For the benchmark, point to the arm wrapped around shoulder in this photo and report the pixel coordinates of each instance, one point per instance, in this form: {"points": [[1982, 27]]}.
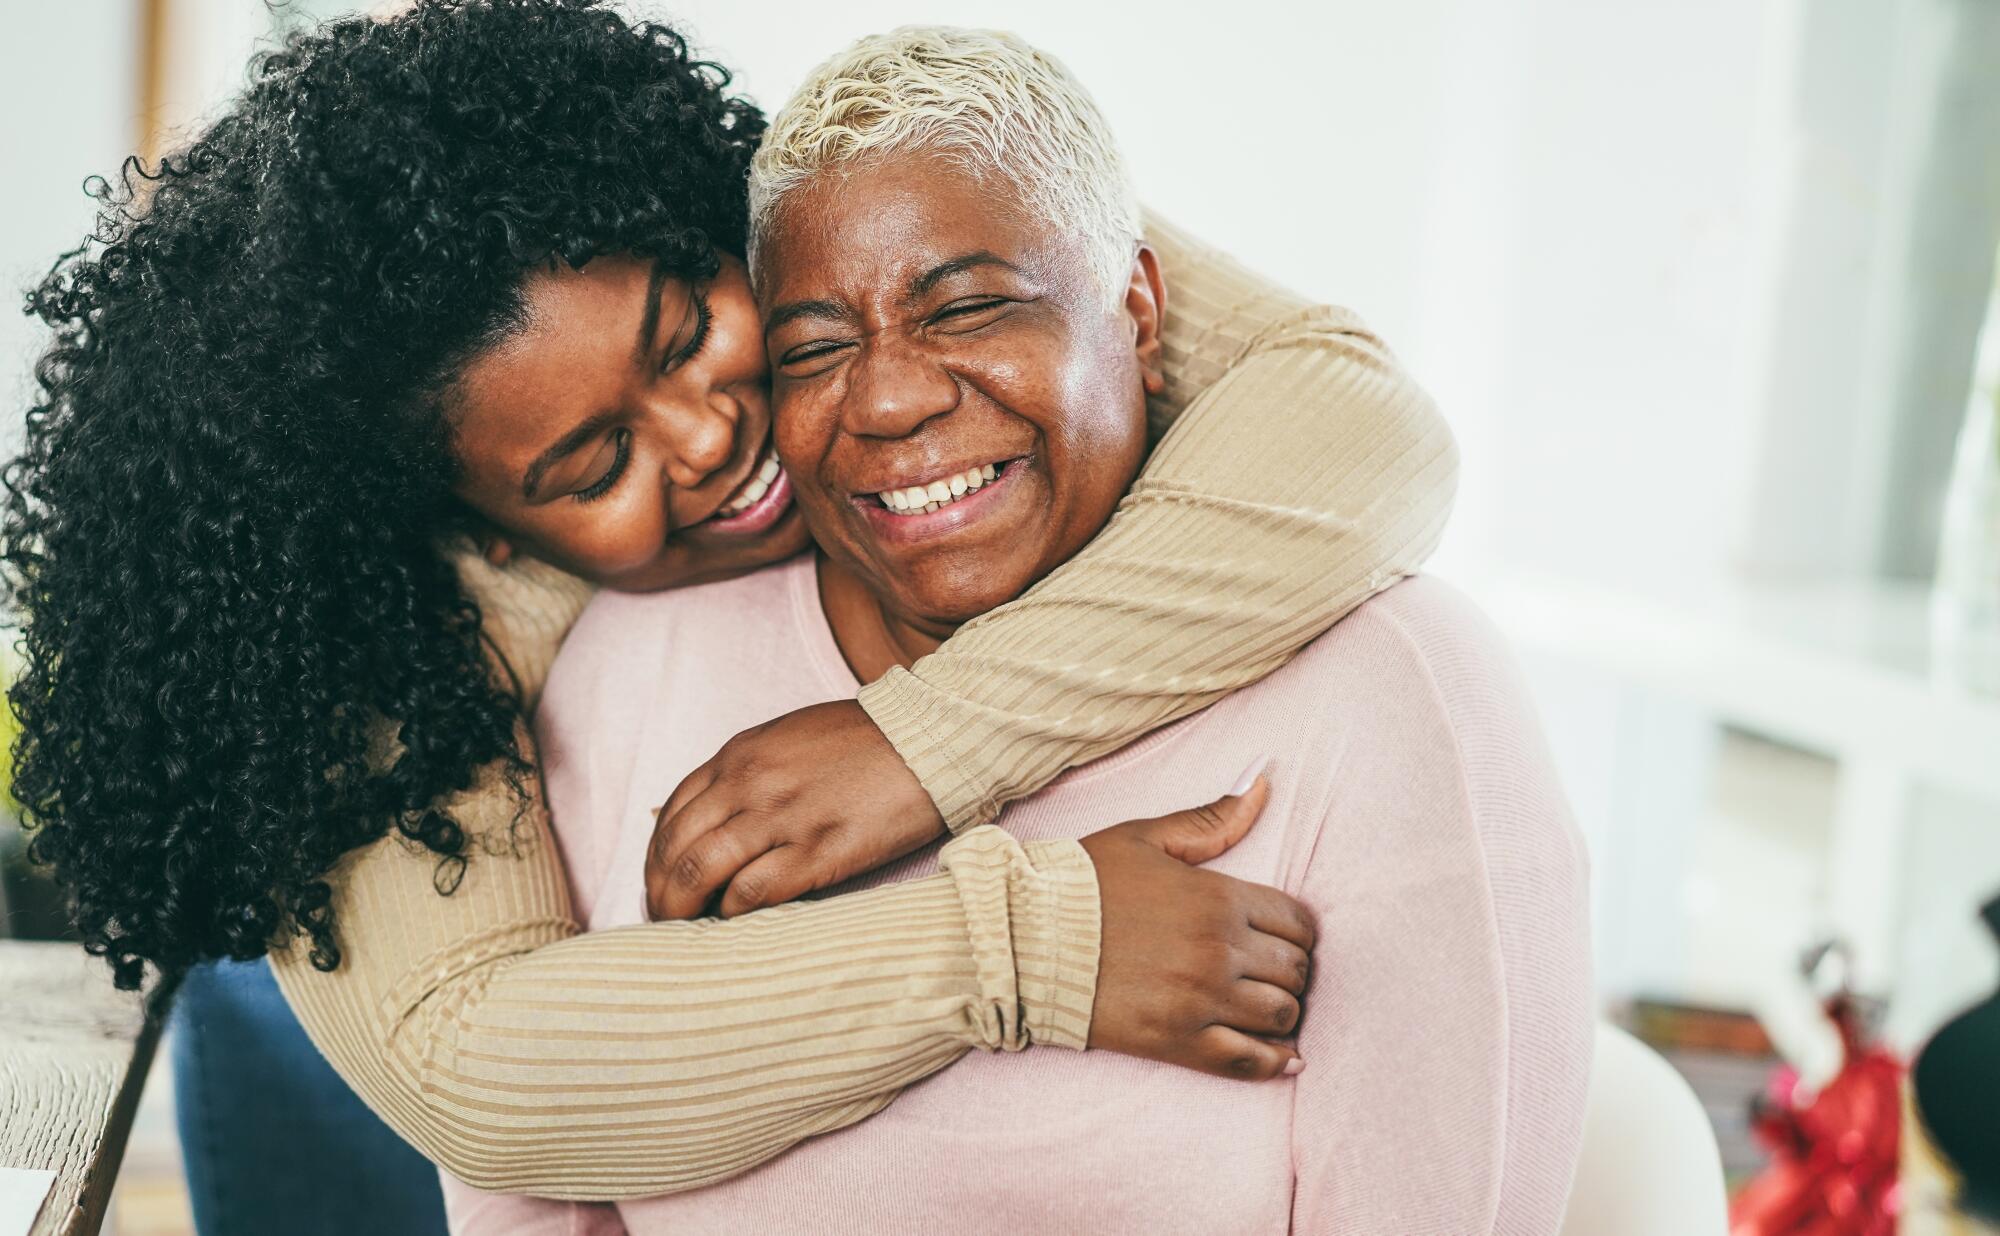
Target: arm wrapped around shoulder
{"points": [[523, 1056]]}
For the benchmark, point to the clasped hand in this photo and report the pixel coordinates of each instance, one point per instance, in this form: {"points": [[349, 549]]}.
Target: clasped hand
{"points": [[1196, 968], [796, 804]]}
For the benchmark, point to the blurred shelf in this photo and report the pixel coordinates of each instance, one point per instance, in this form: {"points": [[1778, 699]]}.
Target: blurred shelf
{"points": [[1844, 669]]}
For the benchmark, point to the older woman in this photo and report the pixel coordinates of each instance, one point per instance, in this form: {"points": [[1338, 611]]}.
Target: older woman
{"points": [[955, 296]]}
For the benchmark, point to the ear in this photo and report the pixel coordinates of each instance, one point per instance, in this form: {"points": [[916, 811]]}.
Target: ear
{"points": [[496, 549], [1146, 306]]}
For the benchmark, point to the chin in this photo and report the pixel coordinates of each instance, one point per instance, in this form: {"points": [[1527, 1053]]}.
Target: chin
{"points": [[951, 605]]}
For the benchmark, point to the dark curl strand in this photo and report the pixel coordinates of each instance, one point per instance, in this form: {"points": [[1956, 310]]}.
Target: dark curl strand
{"points": [[224, 536]]}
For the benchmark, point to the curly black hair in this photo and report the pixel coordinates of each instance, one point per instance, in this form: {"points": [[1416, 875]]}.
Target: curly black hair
{"points": [[225, 534]]}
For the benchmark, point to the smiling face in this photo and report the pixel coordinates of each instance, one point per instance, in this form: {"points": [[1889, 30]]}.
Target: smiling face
{"points": [[623, 431], [959, 401]]}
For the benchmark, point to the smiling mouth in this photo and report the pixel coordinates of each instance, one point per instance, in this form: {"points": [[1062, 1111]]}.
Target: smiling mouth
{"points": [[941, 493], [753, 487], [764, 498]]}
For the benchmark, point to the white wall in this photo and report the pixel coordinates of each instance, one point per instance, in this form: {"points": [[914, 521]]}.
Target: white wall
{"points": [[1550, 207], [69, 93], [66, 73], [1576, 220], [1286, 123]]}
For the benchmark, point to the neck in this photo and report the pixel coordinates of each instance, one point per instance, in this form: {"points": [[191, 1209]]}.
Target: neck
{"points": [[872, 640]]}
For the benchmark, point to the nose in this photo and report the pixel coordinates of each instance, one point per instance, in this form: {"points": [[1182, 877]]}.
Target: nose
{"points": [[895, 385], [699, 436]]}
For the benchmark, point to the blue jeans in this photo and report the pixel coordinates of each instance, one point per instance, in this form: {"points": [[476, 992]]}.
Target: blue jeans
{"points": [[274, 1141]]}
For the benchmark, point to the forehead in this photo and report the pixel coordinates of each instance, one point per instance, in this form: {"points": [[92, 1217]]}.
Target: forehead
{"points": [[570, 354], [868, 229], [568, 312]]}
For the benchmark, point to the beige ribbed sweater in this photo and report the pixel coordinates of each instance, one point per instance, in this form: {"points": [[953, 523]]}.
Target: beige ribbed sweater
{"points": [[1304, 473]]}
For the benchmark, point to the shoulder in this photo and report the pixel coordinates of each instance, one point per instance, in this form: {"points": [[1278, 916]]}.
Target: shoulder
{"points": [[1439, 635], [1419, 637], [1420, 667], [1429, 641], [1458, 661]]}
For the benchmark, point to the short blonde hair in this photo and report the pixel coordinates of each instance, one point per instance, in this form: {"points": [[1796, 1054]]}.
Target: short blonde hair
{"points": [[984, 99]]}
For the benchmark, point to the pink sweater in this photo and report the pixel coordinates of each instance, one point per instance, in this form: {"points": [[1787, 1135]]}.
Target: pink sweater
{"points": [[1414, 809]]}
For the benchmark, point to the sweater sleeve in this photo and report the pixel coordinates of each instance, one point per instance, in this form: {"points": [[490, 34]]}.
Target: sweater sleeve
{"points": [[1447, 1039], [1299, 471], [524, 1056]]}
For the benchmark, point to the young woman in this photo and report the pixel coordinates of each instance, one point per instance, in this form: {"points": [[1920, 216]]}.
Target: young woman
{"points": [[307, 363]]}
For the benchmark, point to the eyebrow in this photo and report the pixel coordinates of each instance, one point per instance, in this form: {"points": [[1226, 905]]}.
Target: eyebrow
{"points": [[784, 315], [957, 266], [649, 320], [919, 286], [565, 446]]}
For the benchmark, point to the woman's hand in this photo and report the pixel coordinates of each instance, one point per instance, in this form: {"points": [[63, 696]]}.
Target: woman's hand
{"points": [[1196, 968], [803, 802]]}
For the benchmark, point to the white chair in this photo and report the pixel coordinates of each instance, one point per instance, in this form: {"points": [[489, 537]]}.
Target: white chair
{"points": [[1649, 1166]]}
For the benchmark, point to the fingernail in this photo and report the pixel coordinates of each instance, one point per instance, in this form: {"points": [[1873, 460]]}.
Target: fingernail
{"points": [[1249, 777], [1294, 1066]]}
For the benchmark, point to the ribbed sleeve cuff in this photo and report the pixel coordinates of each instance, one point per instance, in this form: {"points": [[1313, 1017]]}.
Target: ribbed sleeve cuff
{"points": [[1033, 916], [1056, 952], [899, 704]]}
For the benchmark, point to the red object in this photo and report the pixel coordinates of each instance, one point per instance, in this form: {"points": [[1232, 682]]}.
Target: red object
{"points": [[1834, 1166]]}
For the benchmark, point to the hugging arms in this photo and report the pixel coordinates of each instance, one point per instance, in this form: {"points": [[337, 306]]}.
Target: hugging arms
{"points": [[422, 973], [1446, 1019]]}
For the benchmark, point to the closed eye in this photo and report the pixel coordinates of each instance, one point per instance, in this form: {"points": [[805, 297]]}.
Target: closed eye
{"points": [[966, 312], [621, 442], [808, 353], [969, 306], [692, 348]]}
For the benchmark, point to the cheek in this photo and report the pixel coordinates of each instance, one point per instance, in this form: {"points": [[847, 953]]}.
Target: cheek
{"points": [[615, 535], [804, 418], [1096, 450], [736, 329], [1093, 478], [1105, 444], [736, 348]]}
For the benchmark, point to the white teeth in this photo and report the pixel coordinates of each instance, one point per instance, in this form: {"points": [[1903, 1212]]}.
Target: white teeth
{"points": [[756, 489], [923, 499], [753, 489]]}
